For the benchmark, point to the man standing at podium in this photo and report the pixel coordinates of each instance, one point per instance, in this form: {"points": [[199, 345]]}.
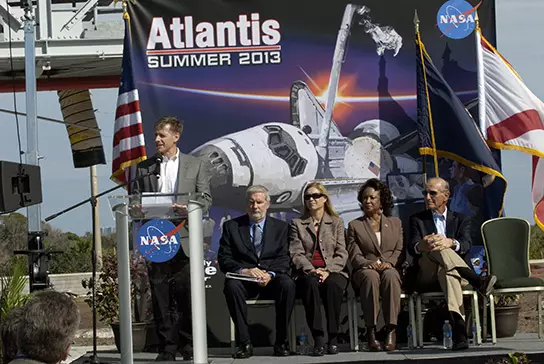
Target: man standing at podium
{"points": [[170, 281]]}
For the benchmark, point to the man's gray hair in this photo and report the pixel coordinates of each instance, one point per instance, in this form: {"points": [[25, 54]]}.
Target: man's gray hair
{"points": [[48, 327], [257, 189]]}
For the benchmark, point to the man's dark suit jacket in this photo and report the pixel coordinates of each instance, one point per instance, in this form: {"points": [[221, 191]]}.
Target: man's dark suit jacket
{"points": [[236, 250], [457, 227]]}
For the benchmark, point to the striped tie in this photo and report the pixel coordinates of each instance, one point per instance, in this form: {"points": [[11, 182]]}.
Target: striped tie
{"points": [[257, 239]]}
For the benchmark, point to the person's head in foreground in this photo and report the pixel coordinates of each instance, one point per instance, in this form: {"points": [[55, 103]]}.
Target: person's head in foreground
{"points": [[10, 326], [48, 327]]}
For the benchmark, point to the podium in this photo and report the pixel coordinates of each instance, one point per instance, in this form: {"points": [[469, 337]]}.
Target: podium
{"points": [[145, 207]]}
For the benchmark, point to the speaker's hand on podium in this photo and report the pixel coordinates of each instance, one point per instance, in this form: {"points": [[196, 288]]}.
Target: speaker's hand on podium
{"points": [[136, 211], [180, 210]]}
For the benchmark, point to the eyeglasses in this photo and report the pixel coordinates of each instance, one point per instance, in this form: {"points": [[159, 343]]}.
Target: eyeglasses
{"points": [[315, 196], [432, 193]]}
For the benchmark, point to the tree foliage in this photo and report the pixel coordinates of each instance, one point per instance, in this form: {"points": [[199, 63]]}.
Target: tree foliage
{"points": [[77, 249], [13, 236]]}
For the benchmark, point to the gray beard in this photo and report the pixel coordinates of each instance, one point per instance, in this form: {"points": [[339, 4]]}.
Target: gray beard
{"points": [[256, 217]]}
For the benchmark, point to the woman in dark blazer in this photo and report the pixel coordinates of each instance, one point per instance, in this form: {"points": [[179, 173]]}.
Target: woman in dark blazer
{"points": [[375, 247], [318, 251]]}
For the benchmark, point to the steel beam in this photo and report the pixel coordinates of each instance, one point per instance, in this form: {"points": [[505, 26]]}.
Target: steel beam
{"points": [[79, 15], [34, 211]]}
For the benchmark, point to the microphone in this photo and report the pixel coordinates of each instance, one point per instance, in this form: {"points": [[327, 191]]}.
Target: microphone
{"points": [[158, 161]]}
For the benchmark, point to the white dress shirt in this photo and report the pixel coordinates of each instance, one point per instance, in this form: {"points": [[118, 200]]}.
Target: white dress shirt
{"points": [[440, 223], [379, 238], [169, 173]]}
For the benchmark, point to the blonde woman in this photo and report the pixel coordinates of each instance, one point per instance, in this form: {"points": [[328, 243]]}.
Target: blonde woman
{"points": [[318, 251]]}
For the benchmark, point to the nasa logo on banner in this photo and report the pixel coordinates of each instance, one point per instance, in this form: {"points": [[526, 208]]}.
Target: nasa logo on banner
{"points": [[159, 240], [456, 19]]}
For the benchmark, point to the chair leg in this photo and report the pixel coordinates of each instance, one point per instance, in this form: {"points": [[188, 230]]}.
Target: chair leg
{"points": [[419, 321], [293, 330], [355, 324], [476, 318], [232, 337], [411, 314], [350, 323], [484, 319], [539, 303], [492, 315]]}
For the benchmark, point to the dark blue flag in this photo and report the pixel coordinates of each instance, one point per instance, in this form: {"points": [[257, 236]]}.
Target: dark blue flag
{"points": [[446, 129]]}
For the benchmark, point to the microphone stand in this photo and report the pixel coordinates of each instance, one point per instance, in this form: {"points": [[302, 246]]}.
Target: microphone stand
{"points": [[93, 200]]}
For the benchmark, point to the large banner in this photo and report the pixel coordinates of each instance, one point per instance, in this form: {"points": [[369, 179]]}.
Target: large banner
{"points": [[283, 92]]}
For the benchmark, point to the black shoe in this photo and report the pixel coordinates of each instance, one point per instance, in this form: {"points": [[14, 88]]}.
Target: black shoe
{"points": [[244, 351], [187, 355], [281, 350], [332, 349], [165, 356], [186, 352], [461, 344], [486, 287], [318, 351]]}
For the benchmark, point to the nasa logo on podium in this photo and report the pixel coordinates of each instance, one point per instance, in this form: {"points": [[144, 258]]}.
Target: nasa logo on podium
{"points": [[456, 19], [159, 240]]}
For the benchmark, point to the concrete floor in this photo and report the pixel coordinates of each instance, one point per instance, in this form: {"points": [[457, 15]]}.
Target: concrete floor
{"points": [[526, 343]]}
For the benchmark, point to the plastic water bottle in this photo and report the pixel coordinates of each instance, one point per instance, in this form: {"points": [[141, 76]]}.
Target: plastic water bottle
{"points": [[474, 336], [410, 337], [446, 334], [303, 343]]}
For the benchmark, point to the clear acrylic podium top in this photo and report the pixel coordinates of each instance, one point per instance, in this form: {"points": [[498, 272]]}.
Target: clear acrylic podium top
{"points": [[151, 205]]}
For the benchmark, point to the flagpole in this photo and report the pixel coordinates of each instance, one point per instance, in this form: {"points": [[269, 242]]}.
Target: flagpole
{"points": [[481, 78], [416, 26], [433, 142], [97, 235]]}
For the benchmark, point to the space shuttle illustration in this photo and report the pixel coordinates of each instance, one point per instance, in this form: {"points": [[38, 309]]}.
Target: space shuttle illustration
{"points": [[285, 156]]}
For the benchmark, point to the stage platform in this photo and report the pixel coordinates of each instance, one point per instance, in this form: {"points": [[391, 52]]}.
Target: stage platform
{"points": [[526, 343]]}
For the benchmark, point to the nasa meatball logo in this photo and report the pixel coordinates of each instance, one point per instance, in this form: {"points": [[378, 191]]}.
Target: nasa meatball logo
{"points": [[159, 240], [455, 19]]}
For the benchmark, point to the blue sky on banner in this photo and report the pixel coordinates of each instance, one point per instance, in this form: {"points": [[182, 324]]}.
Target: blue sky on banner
{"points": [[519, 34]]}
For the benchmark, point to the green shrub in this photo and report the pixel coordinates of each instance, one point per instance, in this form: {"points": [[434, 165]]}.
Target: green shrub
{"points": [[537, 243]]}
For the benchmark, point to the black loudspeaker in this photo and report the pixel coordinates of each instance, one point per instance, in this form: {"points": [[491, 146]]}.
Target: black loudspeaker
{"points": [[20, 186]]}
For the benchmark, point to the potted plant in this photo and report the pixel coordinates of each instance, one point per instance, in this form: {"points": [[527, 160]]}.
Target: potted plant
{"points": [[107, 300], [12, 287], [12, 294], [507, 309], [515, 358]]}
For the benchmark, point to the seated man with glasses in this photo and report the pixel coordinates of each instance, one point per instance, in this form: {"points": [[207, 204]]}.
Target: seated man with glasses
{"points": [[439, 239]]}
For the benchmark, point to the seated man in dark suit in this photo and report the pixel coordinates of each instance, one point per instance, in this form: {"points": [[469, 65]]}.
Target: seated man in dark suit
{"points": [[439, 239], [256, 245]]}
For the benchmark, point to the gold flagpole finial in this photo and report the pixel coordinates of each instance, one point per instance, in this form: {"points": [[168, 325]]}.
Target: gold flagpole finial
{"points": [[124, 4], [125, 9], [477, 20], [416, 21]]}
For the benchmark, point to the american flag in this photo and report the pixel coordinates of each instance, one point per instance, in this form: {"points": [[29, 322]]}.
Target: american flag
{"points": [[128, 139], [374, 168]]}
